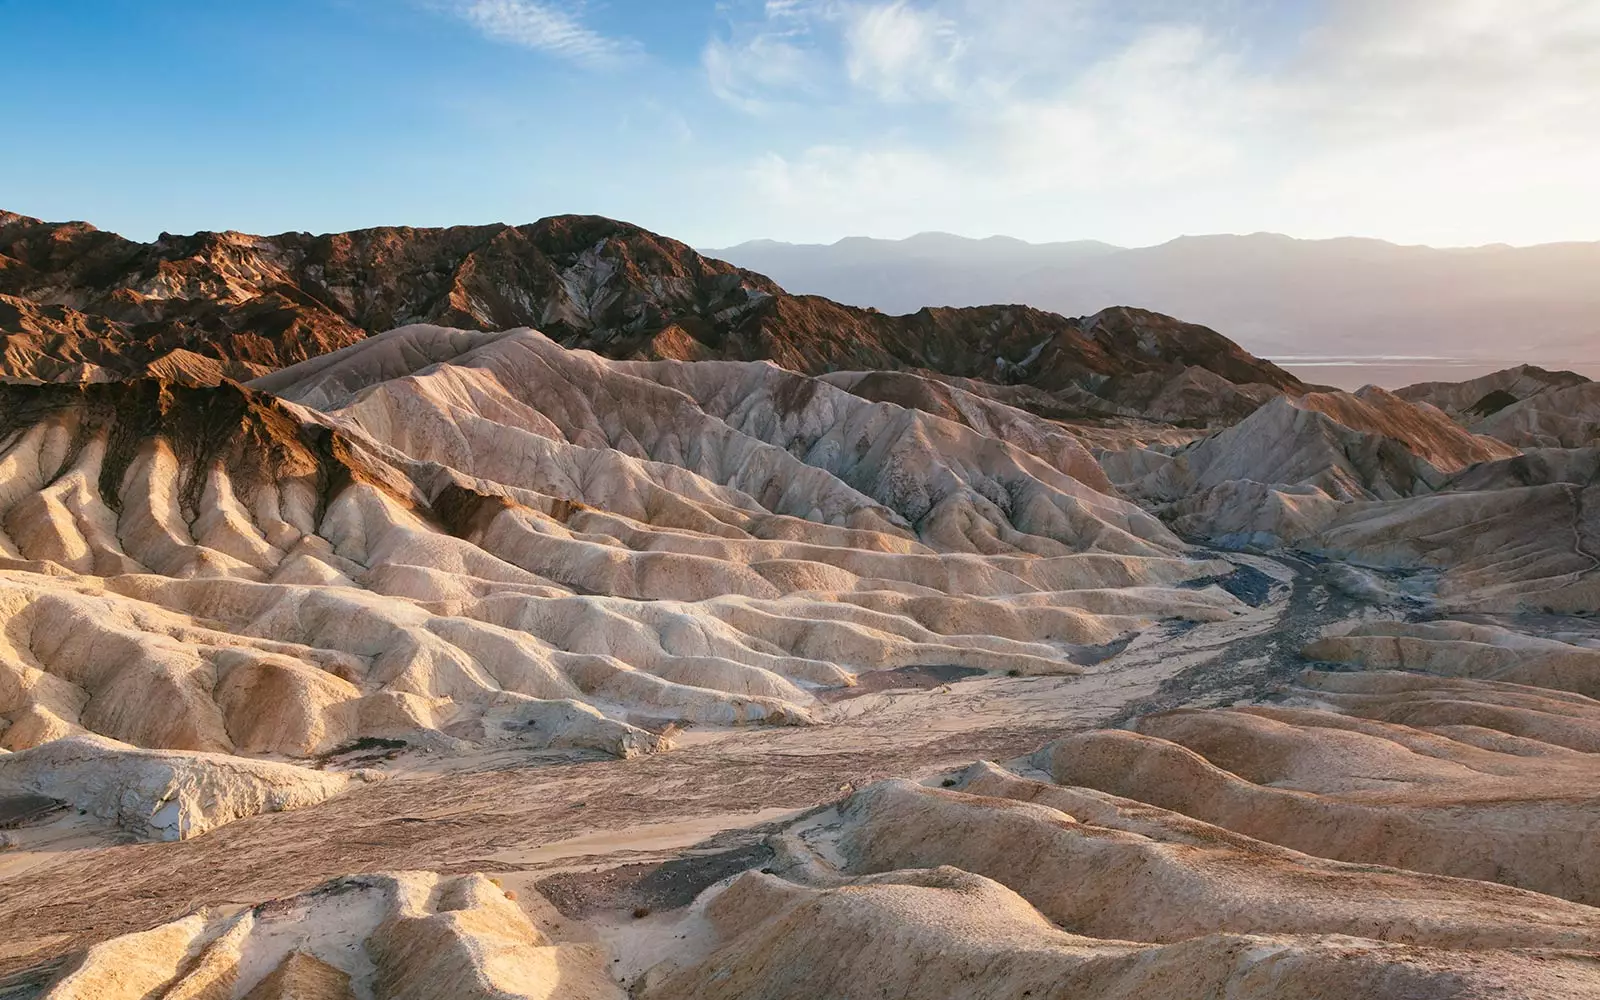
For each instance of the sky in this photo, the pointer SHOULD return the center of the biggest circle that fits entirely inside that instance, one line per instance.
(1447, 122)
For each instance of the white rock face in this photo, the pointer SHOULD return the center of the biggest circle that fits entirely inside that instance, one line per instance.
(162, 795)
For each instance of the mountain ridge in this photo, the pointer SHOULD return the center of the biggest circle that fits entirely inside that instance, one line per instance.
(79, 304)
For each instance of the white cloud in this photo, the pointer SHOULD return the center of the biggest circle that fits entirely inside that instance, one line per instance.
(1444, 120)
(545, 26)
(1449, 120)
(749, 75)
(1169, 106)
(899, 51)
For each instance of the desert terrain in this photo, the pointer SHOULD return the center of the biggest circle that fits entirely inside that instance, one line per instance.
(554, 611)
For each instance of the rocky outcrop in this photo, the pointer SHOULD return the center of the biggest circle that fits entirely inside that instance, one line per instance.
(1480, 398)
(162, 795)
(1351, 790)
(1566, 417)
(1361, 446)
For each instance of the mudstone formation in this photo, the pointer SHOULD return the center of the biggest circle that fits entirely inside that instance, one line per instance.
(552, 611)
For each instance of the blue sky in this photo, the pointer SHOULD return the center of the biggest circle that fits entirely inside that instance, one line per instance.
(1443, 121)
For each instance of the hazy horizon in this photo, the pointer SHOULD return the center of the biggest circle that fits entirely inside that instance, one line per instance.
(849, 238)
(1276, 296)
(1071, 240)
(1355, 373)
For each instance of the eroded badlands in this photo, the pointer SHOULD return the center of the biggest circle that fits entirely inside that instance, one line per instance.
(458, 663)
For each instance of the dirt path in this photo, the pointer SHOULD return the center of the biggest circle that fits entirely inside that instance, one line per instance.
(530, 815)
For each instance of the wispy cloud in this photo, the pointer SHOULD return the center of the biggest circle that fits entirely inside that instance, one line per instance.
(900, 52)
(546, 26)
(767, 59)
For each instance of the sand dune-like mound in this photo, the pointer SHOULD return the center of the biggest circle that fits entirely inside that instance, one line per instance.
(1355, 790)
(1122, 870)
(1516, 718)
(1460, 649)
(958, 934)
(402, 935)
(162, 794)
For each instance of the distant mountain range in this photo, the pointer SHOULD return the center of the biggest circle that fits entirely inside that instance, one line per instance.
(1275, 295)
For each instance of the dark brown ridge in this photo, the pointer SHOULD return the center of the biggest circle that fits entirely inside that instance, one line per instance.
(255, 436)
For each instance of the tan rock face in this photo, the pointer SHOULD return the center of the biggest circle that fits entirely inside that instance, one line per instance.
(402, 935)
